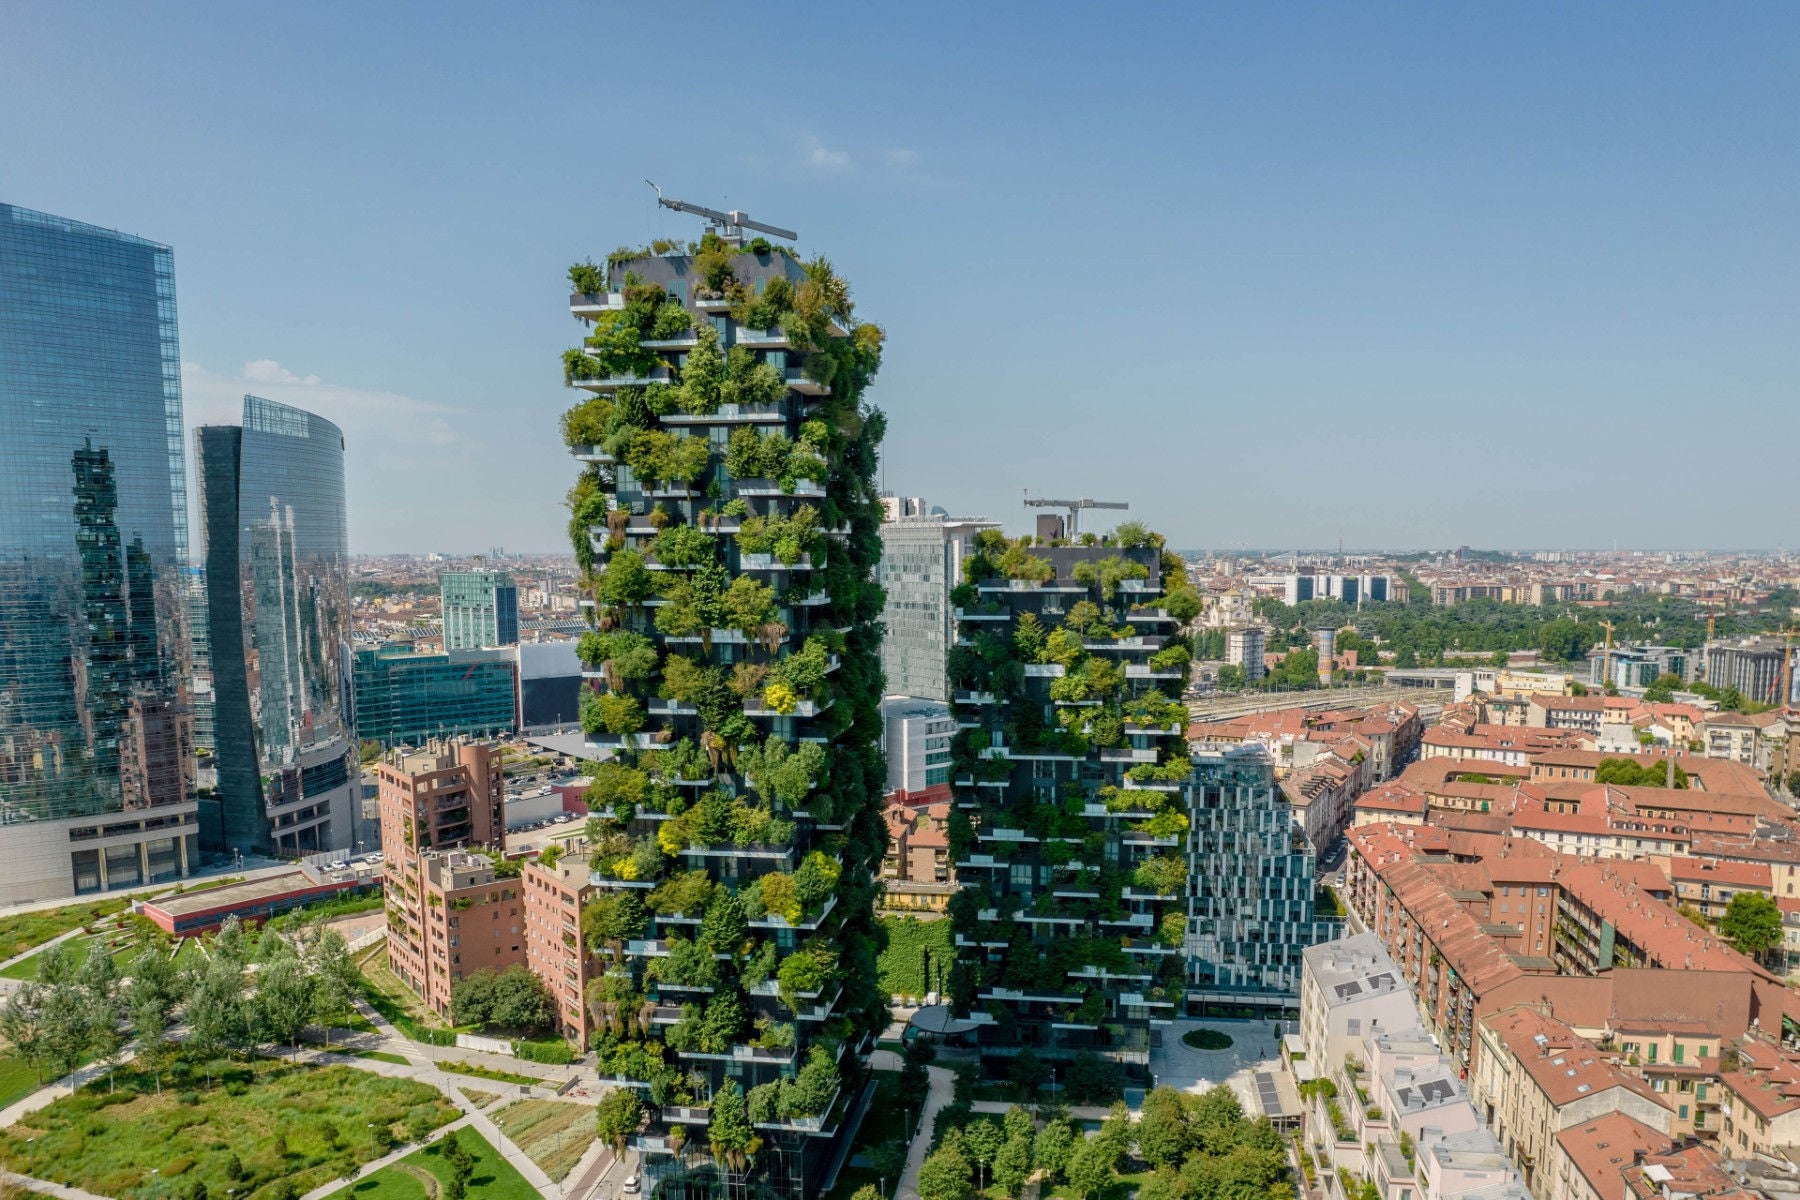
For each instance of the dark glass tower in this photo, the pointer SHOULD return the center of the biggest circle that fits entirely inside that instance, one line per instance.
(278, 617)
(96, 761)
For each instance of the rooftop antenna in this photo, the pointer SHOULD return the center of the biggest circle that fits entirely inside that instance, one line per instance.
(731, 225)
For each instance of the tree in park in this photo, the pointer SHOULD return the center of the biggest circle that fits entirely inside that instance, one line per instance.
(867, 1191)
(1051, 1147)
(618, 1115)
(333, 979)
(462, 1167)
(1012, 1165)
(22, 1024)
(982, 1139)
(945, 1175)
(99, 980)
(214, 1009)
(1090, 1169)
(1093, 1079)
(511, 999)
(1752, 923)
(284, 999)
(1162, 1129)
(1116, 1132)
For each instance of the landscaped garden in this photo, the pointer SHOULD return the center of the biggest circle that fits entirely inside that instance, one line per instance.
(1206, 1039)
(258, 1129)
(20, 933)
(554, 1134)
(430, 1173)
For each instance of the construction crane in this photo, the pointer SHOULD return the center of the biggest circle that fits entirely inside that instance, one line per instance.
(730, 224)
(1606, 655)
(1074, 507)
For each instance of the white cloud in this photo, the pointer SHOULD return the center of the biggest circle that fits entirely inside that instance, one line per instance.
(900, 156)
(820, 157)
(374, 422)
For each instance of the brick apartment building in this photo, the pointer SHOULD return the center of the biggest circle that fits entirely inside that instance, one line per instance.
(555, 949)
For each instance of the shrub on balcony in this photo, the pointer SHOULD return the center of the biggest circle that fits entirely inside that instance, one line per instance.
(616, 789)
(786, 537)
(587, 278)
(805, 971)
(578, 365)
(587, 423)
(1107, 574)
(780, 774)
(1183, 603)
(1163, 874)
(627, 655)
(625, 580)
(663, 458)
(683, 547)
(685, 894)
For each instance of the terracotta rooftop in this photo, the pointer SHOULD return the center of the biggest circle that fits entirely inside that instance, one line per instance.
(1565, 1066)
(1602, 1148)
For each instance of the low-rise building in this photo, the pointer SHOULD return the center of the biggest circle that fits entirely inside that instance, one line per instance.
(450, 915)
(1761, 1108)
(1349, 989)
(916, 871)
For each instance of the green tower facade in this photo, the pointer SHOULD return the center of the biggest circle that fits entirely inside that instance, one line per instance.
(726, 521)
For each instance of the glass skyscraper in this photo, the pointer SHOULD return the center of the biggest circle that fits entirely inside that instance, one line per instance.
(481, 609)
(96, 737)
(278, 620)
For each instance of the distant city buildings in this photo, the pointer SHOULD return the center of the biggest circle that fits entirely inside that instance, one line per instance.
(405, 696)
(97, 785)
(1245, 647)
(276, 555)
(1351, 589)
(480, 609)
(916, 735)
(921, 561)
(1757, 667)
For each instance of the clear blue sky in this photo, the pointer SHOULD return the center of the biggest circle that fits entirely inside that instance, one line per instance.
(1520, 275)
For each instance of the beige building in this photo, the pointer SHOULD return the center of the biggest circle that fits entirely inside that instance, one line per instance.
(1761, 1108)
(1535, 1078)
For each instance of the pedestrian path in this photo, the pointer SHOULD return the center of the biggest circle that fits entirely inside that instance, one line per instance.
(45, 1187)
(938, 1093)
(388, 1159)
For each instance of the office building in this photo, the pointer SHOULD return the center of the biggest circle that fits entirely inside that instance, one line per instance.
(96, 769)
(922, 555)
(1069, 836)
(1250, 885)
(275, 544)
(1244, 648)
(481, 609)
(549, 686)
(449, 913)
(734, 606)
(403, 696)
(916, 735)
(1636, 666)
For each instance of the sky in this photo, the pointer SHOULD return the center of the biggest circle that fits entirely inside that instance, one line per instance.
(1400, 276)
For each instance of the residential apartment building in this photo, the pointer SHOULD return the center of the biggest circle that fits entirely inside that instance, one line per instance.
(916, 735)
(1245, 647)
(556, 946)
(449, 913)
(922, 556)
(1535, 1077)
(1761, 1109)
(480, 609)
(449, 916)
(916, 871)
(1756, 667)
(1349, 989)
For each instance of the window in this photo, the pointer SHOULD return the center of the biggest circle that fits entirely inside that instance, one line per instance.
(1354, 1028)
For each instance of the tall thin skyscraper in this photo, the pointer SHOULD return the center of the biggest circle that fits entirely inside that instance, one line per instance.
(96, 755)
(278, 618)
(921, 562)
(481, 609)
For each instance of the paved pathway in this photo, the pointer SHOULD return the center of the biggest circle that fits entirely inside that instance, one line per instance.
(391, 1157)
(47, 1188)
(1253, 1048)
(939, 1093)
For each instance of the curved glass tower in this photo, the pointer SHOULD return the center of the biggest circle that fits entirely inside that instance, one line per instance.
(96, 754)
(278, 614)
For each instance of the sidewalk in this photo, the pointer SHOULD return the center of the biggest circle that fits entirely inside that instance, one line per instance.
(45, 1187)
(938, 1093)
(391, 1157)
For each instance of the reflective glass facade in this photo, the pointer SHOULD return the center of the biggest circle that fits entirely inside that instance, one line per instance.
(278, 617)
(93, 533)
(403, 697)
(481, 608)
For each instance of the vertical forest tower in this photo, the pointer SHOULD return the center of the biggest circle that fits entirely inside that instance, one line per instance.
(726, 523)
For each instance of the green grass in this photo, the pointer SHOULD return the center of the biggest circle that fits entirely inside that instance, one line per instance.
(554, 1134)
(902, 964)
(397, 1005)
(481, 1072)
(378, 1056)
(130, 945)
(280, 1121)
(479, 1098)
(494, 1177)
(881, 1123)
(18, 1079)
(20, 933)
(1206, 1039)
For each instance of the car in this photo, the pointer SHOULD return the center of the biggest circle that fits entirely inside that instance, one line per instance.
(565, 817)
(544, 791)
(630, 1188)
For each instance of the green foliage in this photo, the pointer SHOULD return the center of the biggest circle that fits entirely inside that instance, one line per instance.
(587, 278)
(657, 457)
(1752, 923)
(511, 999)
(1625, 772)
(917, 957)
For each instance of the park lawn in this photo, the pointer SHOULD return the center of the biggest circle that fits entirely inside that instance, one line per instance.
(457, 1067)
(554, 1134)
(902, 964)
(187, 952)
(477, 1097)
(279, 1121)
(494, 1177)
(397, 1004)
(18, 1079)
(882, 1122)
(1123, 1187)
(20, 933)
(378, 1056)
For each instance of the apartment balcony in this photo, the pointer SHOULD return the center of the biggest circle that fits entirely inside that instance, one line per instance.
(768, 562)
(686, 341)
(1129, 643)
(712, 304)
(614, 382)
(803, 489)
(796, 379)
(802, 708)
(1128, 755)
(730, 414)
(589, 305)
(963, 614)
(975, 698)
(1145, 671)
(760, 339)
(592, 454)
(1153, 730)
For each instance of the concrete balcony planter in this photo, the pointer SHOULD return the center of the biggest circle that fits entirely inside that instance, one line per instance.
(614, 382)
(759, 487)
(591, 304)
(768, 562)
(592, 454)
(731, 414)
(796, 379)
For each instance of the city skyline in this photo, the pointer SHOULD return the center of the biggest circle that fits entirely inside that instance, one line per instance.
(1385, 240)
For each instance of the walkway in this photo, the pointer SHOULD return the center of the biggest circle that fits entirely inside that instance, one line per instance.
(47, 1188)
(939, 1093)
